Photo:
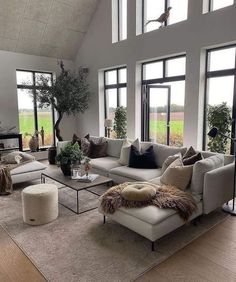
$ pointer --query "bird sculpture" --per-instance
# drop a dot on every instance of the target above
(163, 17)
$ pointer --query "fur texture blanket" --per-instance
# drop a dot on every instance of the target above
(166, 197)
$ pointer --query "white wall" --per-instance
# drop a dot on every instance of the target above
(190, 37)
(9, 62)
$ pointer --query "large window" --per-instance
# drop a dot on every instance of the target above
(218, 4)
(115, 85)
(152, 9)
(163, 84)
(220, 84)
(31, 117)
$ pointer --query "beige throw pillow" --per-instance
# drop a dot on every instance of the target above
(177, 175)
(169, 161)
(125, 151)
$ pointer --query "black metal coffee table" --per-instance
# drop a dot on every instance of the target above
(66, 181)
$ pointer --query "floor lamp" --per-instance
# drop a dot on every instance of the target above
(229, 207)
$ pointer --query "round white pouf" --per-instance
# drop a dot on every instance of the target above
(40, 204)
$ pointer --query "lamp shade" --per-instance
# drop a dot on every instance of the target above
(213, 132)
(108, 123)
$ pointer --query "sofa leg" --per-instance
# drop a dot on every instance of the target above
(153, 246)
(104, 219)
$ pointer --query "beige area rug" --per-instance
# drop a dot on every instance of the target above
(81, 248)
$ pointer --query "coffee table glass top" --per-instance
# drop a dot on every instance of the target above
(58, 176)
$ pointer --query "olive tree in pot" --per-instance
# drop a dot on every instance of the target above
(68, 94)
(219, 116)
(120, 122)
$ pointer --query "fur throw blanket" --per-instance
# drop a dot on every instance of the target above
(167, 197)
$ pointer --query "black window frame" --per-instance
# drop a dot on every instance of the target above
(116, 86)
(34, 89)
(218, 73)
(146, 82)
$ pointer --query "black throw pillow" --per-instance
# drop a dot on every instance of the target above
(193, 159)
(76, 139)
(142, 160)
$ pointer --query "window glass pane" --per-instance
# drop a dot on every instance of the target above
(158, 114)
(111, 102)
(123, 19)
(153, 70)
(45, 126)
(220, 89)
(222, 59)
(218, 4)
(39, 76)
(123, 75)
(123, 97)
(152, 10)
(179, 11)
(26, 115)
(24, 77)
(111, 77)
(175, 67)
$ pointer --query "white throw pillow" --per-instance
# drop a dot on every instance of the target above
(177, 175)
(125, 151)
(12, 158)
(202, 167)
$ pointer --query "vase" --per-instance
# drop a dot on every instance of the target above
(33, 144)
(66, 169)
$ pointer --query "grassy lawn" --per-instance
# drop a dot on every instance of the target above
(176, 127)
(27, 122)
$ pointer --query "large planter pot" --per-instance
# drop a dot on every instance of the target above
(66, 169)
(52, 152)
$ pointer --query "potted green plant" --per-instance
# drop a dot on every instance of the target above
(219, 116)
(120, 122)
(69, 155)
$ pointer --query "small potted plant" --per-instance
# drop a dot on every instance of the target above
(33, 141)
(69, 155)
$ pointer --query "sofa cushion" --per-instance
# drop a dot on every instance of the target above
(145, 159)
(177, 175)
(114, 147)
(138, 192)
(105, 164)
(139, 174)
(169, 161)
(193, 159)
(125, 150)
(17, 157)
(162, 152)
(29, 167)
(98, 150)
(200, 168)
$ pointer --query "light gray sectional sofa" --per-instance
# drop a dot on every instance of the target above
(210, 187)
(27, 172)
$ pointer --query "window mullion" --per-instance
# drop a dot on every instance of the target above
(35, 103)
(118, 92)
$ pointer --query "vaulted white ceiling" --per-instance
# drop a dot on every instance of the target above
(52, 28)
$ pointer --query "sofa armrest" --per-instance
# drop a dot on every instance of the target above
(61, 145)
(218, 187)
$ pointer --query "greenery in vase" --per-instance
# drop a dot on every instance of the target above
(68, 94)
(70, 154)
(219, 116)
(120, 122)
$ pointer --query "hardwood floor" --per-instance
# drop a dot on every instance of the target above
(212, 257)
(14, 264)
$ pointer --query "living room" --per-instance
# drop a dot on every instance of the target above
(141, 95)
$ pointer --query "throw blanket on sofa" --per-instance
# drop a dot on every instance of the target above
(5, 181)
(5, 177)
(166, 197)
